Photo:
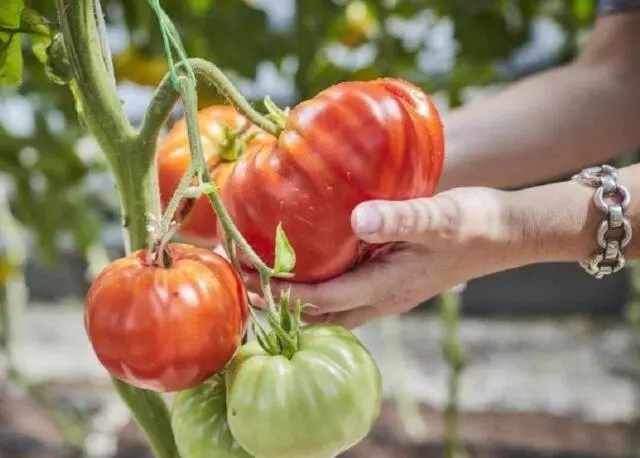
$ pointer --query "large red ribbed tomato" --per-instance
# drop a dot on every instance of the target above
(353, 142)
(166, 328)
(216, 123)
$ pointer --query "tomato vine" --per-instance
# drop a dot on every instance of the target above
(131, 155)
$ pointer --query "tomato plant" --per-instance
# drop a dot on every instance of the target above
(166, 328)
(223, 137)
(353, 142)
(199, 422)
(317, 402)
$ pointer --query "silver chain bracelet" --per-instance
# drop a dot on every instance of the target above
(614, 232)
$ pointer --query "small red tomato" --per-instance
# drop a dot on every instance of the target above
(166, 328)
(217, 125)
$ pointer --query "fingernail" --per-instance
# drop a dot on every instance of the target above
(368, 219)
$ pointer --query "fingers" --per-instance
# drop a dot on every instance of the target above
(350, 319)
(345, 292)
(256, 300)
(416, 220)
(456, 219)
(383, 283)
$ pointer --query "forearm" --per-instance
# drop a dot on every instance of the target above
(552, 123)
(558, 222)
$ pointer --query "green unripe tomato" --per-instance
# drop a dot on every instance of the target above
(199, 421)
(319, 403)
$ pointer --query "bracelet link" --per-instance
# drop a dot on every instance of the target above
(614, 232)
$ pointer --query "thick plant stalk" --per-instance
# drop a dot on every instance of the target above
(131, 156)
(455, 356)
(133, 169)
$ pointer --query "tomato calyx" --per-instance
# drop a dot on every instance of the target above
(276, 114)
(236, 141)
(284, 336)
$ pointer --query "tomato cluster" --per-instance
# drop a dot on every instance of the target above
(172, 318)
(319, 403)
(353, 142)
(219, 127)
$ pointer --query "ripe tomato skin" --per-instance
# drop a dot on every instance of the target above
(198, 219)
(317, 404)
(166, 329)
(353, 142)
(199, 422)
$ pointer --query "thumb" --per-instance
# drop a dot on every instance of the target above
(425, 221)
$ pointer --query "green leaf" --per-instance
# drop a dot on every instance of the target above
(10, 13)
(39, 31)
(39, 46)
(11, 64)
(285, 256)
(10, 49)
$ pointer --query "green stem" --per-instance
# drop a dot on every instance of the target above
(152, 415)
(266, 291)
(102, 110)
(132, 163)
(174, 203)
(454, 354)
(165, 98)
(232, 234)
(190, 103)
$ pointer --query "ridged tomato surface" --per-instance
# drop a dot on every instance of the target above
(197, 218)
(166, 329)
(353, 142)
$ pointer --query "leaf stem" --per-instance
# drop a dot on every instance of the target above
(190, 103)
(266, 291)
(232, 235)
(177, 197)
(166, 96)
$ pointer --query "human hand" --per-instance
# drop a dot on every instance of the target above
(445, 240)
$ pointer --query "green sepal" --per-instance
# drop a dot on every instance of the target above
(285, 314)
(285, 256)
(276, 114)
(235, 143)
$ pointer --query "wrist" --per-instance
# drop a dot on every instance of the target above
(559, 222)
